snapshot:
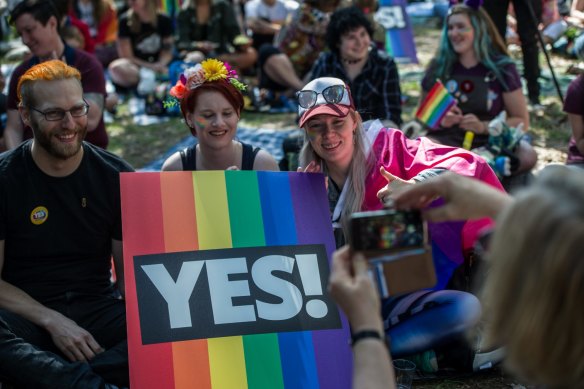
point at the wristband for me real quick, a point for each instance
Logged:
(366, 334)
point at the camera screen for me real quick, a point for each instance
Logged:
(387, 230)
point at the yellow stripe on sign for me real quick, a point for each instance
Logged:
(227, 360)
(226, 355)
(211, 209)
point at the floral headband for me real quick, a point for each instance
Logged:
(209, 70)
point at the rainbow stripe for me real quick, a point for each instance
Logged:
(435, 105)
(186, 211)
(170, 7)
(399, 40)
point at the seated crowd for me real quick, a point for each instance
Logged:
(63, 318)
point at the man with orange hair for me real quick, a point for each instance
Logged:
(62, 321)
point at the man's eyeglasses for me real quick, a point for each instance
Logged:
(52, 115)
(332, 95)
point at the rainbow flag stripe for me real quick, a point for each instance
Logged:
(399, 40)
(186, 211)
(435, 106)
(170, 7)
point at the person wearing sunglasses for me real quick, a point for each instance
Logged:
(370, 73)
(62, 320)
(362, 167)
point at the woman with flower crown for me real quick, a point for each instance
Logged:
(473, 63)
(210, 100)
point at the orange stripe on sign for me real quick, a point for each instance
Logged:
(191, 360)
(178, 210)
(191, 364)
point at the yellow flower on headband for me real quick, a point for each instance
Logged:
(214, 69)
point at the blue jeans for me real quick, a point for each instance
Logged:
(424, 320)
(29, 358)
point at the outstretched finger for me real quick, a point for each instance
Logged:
(387, 175)
(417, 196)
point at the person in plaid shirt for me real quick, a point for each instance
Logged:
(370, 73)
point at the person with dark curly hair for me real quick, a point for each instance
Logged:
(371, 74)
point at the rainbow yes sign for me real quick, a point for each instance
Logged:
(226, 282)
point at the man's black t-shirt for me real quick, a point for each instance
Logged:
(58, 230)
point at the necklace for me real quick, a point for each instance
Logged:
(351, 61)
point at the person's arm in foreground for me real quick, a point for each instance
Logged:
(353, 290)
(464, 198)
(76, 343)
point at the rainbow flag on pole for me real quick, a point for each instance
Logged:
(187, 232)
(435, 105)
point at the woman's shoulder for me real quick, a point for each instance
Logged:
(173, 163)
(265, 161)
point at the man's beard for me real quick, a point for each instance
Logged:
(55, 148)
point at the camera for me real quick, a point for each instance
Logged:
(396, 246)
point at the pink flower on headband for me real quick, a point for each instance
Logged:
(230, 72)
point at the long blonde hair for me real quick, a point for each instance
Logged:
(360, 166)
(534, 291)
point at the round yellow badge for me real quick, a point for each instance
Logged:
(39, 215)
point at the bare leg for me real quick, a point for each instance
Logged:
(279, 68)
(124, 73)
(241, 60)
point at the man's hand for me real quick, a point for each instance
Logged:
(76, 343)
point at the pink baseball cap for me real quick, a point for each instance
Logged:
(324, 96)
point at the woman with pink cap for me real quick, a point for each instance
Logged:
(363, 166)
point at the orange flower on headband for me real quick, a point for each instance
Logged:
(178, 91)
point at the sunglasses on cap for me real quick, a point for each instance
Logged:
(332, 95)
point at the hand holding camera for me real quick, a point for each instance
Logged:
(396, 246)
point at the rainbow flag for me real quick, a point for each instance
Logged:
(435, 105)
(175, 216)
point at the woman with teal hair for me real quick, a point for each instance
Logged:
(473, 63)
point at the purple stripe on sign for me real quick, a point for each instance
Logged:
(333, 357)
